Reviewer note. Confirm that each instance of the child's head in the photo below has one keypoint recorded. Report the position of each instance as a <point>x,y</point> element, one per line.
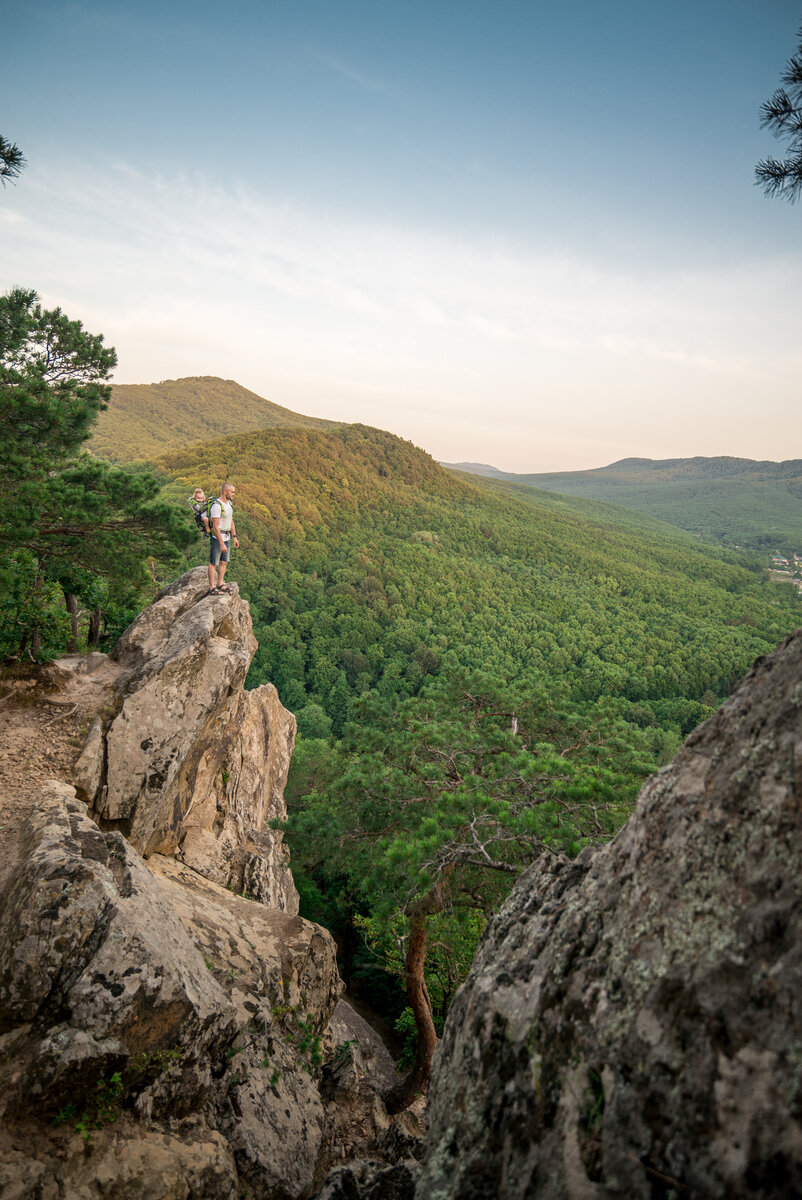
<point>199,494</point>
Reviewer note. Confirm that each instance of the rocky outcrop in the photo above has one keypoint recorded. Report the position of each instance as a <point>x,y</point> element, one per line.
<point>148,1012</point>
<point>166,1019</point>
<point>95,968</point>
<point>166,1016</point>
<point>632,1024</point>
<point>189,763</point>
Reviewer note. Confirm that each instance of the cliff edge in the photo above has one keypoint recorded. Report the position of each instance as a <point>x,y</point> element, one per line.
<point>632,1024</point>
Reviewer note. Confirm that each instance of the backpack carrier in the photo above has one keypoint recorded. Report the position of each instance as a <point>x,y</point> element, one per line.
<point>200,509</point>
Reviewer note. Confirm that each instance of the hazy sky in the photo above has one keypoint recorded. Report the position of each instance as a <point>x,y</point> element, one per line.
<point>517,233</point>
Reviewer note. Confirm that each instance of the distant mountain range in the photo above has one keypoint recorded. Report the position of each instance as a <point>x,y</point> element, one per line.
<point>146,419</point>
<point>733,501</point>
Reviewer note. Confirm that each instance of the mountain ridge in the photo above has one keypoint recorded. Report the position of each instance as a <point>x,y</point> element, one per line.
<point>144,420</point>
<point>676,467</point>
<point>367,564</point>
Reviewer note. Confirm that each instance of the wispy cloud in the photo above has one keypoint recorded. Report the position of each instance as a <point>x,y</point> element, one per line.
<point>474,349</point>
<point>341,68</point>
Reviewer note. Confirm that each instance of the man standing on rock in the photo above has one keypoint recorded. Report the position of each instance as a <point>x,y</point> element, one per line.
<point>221,516</point>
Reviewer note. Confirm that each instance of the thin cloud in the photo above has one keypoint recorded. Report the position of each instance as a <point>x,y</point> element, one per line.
<point>412,329</point>
<point>334,64</point>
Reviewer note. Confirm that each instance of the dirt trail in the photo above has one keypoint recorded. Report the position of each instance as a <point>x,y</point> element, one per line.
<point>45,713</point>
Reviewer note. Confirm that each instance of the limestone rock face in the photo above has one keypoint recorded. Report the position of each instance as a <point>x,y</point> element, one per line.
<point>96,971</point>
<point>145,997</point>
<point>156,1165</point>
<point>165,1014</point>
<point>267,953</point>
<point>632,1024</point>
<point>367,1179</point>
<point>192,764</point>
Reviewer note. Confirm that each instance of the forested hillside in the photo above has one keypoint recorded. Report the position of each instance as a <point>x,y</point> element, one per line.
<point>145,419</point>
<point>367,564</point>
<point>731,501</point>
<point>500,671</point>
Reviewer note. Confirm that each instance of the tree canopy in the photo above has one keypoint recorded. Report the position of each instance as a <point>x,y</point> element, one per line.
<point>429,807</point>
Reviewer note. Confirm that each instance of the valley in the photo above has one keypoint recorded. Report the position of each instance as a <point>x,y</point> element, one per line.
<point>736,502</point>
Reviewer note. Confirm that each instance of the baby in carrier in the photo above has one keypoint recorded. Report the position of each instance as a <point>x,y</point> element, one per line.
<point>200,507</point>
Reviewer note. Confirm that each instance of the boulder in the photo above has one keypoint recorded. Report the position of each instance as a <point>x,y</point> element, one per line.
<point>159,1166</point>
<point>266,956</point>
<point>632,1024</point>
<point>357,1075</point>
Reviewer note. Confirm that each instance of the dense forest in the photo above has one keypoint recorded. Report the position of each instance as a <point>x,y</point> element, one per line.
<point>368,566</point>
<point>477,675</point>
<point>78,566</point>
<point>756,506</point>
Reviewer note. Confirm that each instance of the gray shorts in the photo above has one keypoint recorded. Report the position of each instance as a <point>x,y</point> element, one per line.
<point>216,552</point>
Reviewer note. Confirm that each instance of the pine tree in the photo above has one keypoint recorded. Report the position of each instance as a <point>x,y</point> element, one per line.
<point>70,520</point>
<point>782,114</point>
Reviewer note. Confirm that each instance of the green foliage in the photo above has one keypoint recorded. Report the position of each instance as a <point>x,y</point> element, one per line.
<point>453,938</point>
<point>782,114</point>
<point>302,1033</point>
<point>51,387</point>
<point>344,1052</point>
<point>313,721</point>
<point>736,502</point>
<point>149,1063</point>
<point>102,1109</point>
<point>461,786</point>
<point>347,596</point>
<point>404,1026</point>
<point>12,160</point>
<point>72,522</point>
<point>31,601</point>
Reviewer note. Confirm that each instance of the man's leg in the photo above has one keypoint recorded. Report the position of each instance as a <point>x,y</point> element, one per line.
<point>221,570</point>
<point>214,556</point>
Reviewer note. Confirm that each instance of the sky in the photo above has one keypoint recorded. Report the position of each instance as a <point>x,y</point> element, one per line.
<point>523,234</point>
